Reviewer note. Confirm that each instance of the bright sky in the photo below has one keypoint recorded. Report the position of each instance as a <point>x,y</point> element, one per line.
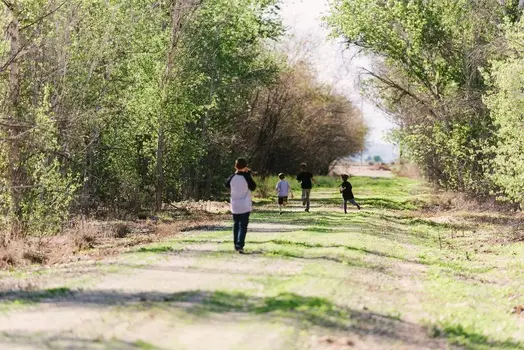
<point>334,63</point>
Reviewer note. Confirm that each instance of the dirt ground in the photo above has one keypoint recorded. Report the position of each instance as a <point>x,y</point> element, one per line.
<point>353,169</point>
<point>179,296</point>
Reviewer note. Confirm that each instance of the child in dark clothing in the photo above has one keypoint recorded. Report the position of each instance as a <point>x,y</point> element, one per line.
<point>347,193</point>
<point>306,182</point>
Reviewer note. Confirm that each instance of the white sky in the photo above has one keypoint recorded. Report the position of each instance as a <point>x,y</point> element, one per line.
<point>333,63</point>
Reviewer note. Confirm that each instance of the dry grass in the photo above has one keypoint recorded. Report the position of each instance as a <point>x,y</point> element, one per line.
<point>11,255</point>
<point>408,170</point>
<point>94,239</point>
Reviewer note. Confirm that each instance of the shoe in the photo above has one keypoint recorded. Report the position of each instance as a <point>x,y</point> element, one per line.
<point>241,251</point>
<point>280,213</point>
<point>358,207</point>
<point>307,210</point>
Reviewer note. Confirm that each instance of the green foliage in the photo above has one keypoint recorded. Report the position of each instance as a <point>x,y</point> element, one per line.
<point>507,106</point>
<point>120,104</point>
<point>430,79</point>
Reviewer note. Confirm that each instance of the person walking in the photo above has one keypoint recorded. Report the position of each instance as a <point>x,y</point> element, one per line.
<point>240,184</point>
<point>283,189</point>
<point>306,182</point>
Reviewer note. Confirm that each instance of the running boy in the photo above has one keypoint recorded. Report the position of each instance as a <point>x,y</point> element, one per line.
<point>347,193</point>
<point>240,184</point>
<point>283,189</point>
<point>306,182</point>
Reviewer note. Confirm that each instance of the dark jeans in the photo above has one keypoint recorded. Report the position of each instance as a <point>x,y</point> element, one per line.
<point>240,229</point>
<point>306,193</point>
<point>352,201</point>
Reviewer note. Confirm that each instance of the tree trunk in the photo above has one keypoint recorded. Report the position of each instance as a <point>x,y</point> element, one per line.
<point>160,181</point>
<point>14,129</point>
<point>179,10</point>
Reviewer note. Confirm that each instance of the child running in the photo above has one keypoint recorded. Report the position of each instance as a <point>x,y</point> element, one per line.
<point>240,184</point>
<point>306,182</point>
<point>283,189</point>
<point>347,193</point>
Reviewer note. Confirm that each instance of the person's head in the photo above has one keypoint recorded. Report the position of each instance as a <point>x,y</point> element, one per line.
<point>241,164</point>
<point>281,176</point>
<point>303,167</point>
<point>344,177</point>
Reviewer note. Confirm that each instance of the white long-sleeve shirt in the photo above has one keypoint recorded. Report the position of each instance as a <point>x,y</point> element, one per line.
<point>241,184</point>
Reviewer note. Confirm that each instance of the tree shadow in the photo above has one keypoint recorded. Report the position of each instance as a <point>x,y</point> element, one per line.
<point>60,341</point>
<point>469,339</point>
<point>252,228</point>
<point>307,245</point>
<point>303,311</point>
<point>279,253</point>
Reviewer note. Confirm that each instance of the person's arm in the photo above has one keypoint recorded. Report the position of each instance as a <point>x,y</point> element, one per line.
<point>250,182</point>
<point>228,181</point>
<point>277,188</point>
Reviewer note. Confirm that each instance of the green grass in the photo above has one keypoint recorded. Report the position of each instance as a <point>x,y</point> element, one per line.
<point>368,271</point>
<point>465,302</point>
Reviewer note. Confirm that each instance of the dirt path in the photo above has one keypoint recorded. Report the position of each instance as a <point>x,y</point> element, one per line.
<point>302,285</point>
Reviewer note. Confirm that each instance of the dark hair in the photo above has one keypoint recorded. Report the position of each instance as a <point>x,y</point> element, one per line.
<point>344,177</point>
<point>281,176</point>
<point>241,163</point>
<point>303,166</point>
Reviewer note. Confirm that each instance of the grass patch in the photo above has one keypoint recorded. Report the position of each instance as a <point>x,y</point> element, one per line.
<point>309,310</point>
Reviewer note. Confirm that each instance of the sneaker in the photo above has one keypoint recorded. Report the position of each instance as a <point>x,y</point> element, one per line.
<point>240,251</point>
<point>358,207</point>
<point>307,210</point>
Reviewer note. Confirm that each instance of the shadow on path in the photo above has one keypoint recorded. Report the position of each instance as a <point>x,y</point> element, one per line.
<point>303,310</point>
<point>60,341</point>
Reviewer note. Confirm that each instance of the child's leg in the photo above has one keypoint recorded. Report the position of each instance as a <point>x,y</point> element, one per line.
<point>304,196</point>
<point>345,206</point>
<point>236,230</point>
<point>244,221</point>
<point>308,202</point>
<point>354,202</point>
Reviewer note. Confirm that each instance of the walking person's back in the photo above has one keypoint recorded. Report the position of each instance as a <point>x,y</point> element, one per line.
<point>283,189</point>
<point>306,183</point>
<point>240,184</point>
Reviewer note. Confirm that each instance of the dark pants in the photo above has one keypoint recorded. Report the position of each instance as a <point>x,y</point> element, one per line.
<point>352,201</point>
<point>240,229</point>
<point>306,192</point>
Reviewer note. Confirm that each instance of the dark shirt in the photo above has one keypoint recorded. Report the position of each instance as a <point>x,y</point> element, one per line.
<point>305,178</point>
<point>347,190</point>
<point>247,175</point>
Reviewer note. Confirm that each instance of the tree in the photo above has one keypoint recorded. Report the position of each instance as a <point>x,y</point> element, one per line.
<point>506,103</point>
<point>428,77</point>
<point>299,120</point>
<point>109,107</point>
